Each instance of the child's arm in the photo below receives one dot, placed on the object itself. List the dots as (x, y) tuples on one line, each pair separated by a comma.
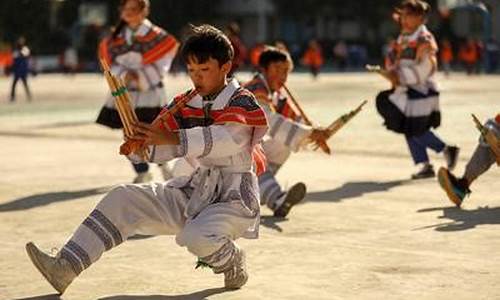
[(214, 141), (284, 130), (288, 132), (198, 142), (420, 72)]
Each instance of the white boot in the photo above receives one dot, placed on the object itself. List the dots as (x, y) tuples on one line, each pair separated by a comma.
[(56, 270), (237, 275)]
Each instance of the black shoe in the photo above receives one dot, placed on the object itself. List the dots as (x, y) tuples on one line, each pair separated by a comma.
[(427, 171), (451, 156), (294, 195)]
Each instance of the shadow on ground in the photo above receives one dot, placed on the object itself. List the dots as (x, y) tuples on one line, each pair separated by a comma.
[(193, 296), (353, 190), (43, 297), (271, 222), (64, 124), (48, 198), (461, 219)]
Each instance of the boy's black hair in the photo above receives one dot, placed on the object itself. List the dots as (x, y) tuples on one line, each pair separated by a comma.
[(271, 55), (206, 41)]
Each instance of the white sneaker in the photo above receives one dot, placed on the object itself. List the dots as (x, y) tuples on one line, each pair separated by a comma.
[(237, 275), (56, 270), (143, 177)]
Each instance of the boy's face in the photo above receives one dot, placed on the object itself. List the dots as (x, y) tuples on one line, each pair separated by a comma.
[(207, 77), (132, 13), (410, 21), (277, 74)]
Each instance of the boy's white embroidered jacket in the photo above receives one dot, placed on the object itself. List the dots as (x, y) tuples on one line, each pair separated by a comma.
[(285, 127), (148, 51), (223, 136), (414, 58)]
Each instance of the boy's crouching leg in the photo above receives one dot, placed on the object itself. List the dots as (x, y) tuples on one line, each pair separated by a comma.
[(222, 256), (91, 239), (57, 270)]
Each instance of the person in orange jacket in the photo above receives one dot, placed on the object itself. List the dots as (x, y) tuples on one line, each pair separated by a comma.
[(446, 56), (469, 55), (255, 54), (313, 58)]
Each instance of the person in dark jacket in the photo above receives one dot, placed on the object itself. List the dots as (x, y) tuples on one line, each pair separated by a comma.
[(20, 68)]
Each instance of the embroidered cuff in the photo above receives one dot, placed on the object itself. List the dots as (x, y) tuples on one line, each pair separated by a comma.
[(191, 142), (288, 132)]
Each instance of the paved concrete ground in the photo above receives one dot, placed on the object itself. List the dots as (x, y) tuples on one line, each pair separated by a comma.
[(364, 232)]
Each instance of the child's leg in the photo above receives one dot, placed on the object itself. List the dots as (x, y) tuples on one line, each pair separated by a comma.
[(480, 162), (483, 156), (210, 235), (13, 88), (270, 190), (417, 149), (26, 87), (272, 195), (124, 211), (430, 140)]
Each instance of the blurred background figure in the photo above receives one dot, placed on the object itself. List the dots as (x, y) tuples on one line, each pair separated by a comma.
[(69, 61), (446, 56), (492, 52), (20, 68), (469, 55), (6, 59), (255, 54), (340, 54), (240, 50), (140, 53), (357, 56), (281, 45), (313, 58)]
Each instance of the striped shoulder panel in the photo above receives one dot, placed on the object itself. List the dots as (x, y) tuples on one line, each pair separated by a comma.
[(173, 122), (155, 33), (256, 85), (158, 47), (259, 89), (242, 108), (243, 98)]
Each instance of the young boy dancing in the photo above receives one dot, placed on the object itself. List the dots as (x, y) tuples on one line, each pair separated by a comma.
[(286, 133), (220, 124), (141, 53), (412, 106)]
